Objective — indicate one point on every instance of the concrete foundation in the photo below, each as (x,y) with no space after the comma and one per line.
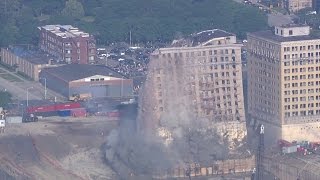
(306,131)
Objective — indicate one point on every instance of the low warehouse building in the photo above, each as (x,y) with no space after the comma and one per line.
(27,60)
(98,81)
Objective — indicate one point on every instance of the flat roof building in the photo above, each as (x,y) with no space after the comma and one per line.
(283,82)
(68,43)
(203,72)
(27,60)
(99,81)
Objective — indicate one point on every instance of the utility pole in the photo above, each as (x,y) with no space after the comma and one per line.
(130,39)
(259,158)
(122,86)
(28,95)
(45,87)
(5,8)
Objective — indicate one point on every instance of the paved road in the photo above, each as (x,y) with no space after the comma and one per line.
(279,19)
(18,89)
(17,92)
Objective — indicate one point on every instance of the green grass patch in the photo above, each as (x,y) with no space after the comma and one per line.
(2,71)
(20,74)
(10,78)
(8,67)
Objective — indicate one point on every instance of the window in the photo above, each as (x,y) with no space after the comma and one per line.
(290,32)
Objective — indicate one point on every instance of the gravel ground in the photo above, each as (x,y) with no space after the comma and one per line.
(56,149)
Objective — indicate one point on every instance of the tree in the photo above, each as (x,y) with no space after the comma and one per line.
(73,9)
(5,98)
(8,35)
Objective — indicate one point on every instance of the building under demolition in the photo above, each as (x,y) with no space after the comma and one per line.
(200,75)
(191,113)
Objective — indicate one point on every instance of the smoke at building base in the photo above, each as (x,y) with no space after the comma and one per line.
(175,123)
(177,140)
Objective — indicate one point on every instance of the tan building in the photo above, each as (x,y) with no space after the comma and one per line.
(26,60)
(283,82)
(202,71)
(296,5)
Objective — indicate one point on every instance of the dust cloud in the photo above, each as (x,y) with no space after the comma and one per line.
(154,142)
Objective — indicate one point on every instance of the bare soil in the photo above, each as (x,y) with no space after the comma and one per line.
(56,148)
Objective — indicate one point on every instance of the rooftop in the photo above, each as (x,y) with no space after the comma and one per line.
(270,35)
(65,31)
(73,72)
(201,37)
(207,35)
(31,54)
(293,25)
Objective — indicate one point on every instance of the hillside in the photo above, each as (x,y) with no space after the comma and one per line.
(112,20)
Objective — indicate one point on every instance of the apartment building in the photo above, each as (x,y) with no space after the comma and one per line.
(296,5)
(205,68)
(68,44)
(284,82)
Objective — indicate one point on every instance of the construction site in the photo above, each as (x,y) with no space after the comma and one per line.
(189,123)
(55,148)
(191,120)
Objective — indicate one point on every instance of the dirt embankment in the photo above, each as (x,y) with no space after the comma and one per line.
(55,149)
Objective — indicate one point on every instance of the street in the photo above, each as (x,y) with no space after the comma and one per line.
(17,86)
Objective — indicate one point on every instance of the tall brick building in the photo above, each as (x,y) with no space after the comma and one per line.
(68,44)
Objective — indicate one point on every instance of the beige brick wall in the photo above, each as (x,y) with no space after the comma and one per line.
(301,132)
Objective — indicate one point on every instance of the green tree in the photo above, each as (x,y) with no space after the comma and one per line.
(74,9)
(5,98)
(9,34)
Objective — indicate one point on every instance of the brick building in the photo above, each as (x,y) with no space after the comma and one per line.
(27,60)
(283,82)
(204,71)
(68,43)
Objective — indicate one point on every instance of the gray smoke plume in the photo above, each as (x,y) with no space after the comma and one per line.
(176,137)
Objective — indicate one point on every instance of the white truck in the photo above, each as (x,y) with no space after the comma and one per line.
(131,101)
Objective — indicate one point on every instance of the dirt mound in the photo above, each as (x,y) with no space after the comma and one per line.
(20,149)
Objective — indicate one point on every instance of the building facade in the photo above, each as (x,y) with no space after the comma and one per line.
(28,61)
(316,5)
(204,71)
(283,82)
(99,81)
(296,5)
(68,44)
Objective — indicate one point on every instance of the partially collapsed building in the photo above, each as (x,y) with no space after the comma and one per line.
(197,78)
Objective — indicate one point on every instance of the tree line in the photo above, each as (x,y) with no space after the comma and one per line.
(112,20)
